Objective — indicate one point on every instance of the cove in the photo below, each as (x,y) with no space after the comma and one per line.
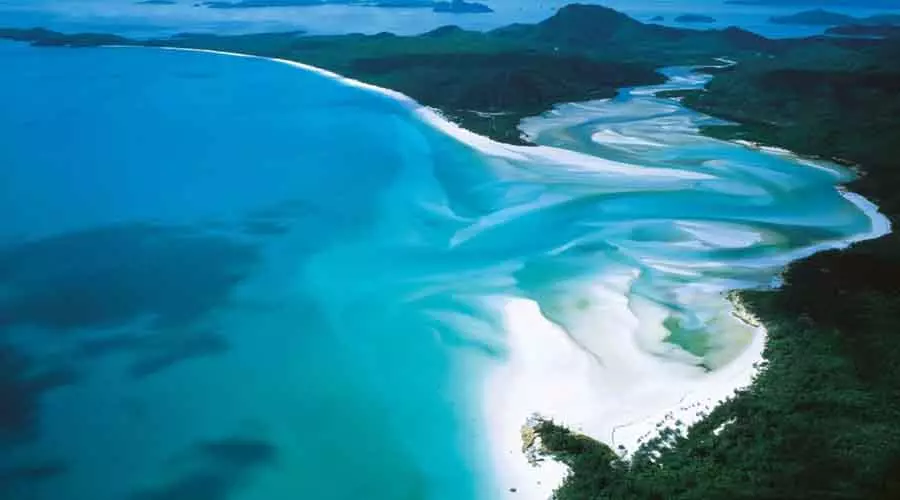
(229,277)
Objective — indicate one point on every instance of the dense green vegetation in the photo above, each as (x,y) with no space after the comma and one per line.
(48,38)
(694,18)
(820,422)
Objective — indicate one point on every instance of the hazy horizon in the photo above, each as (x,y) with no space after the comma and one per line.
(131,17)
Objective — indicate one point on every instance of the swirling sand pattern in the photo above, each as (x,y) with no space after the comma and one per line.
(265,282)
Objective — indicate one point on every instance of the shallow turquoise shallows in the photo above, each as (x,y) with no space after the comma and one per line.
(231,278)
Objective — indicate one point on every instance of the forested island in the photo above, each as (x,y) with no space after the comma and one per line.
(820,420)
(694,18)
(453,7)
(821,17)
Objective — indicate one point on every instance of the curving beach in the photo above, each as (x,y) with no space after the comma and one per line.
(408,294)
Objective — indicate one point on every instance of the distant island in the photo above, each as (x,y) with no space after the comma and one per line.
(865,31)
(462,7)
(821,17)
(454,6)
(694,18)
(874,4)
(258,4)
(816,17)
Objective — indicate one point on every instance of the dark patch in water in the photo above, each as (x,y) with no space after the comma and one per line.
(265,228)
(238,452)
(22,481)
(156,357)
(22,384)
(110,276)
(278,219)
(39,471)
(284,211)
(95,348)
(219,469)
(196,486)
(156,351)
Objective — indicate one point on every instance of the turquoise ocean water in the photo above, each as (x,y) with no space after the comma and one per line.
(227,277)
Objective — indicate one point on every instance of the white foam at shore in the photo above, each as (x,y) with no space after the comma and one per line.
(429,115)
(313,69)
(881,225)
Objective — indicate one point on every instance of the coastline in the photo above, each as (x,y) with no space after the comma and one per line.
(881,224)
(505,431)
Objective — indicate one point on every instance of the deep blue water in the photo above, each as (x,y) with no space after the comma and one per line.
(230,278)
